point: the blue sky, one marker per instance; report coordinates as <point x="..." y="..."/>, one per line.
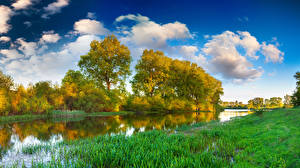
<point x="251" y="46"/>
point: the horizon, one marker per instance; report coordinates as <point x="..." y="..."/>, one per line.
<point x="252" y="48"/>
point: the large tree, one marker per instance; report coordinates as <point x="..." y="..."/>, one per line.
<point x="152" y="73"/>
<point x="108" y="62"/>
<point x="296" y="95"/>
<point x="175" y="80"/>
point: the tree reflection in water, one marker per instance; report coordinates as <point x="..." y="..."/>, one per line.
<point x="76" y="128"/>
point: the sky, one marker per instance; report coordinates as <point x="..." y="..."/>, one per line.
<point x="251" y="46"/>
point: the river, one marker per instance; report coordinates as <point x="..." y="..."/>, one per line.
<point x="15" y="136"/>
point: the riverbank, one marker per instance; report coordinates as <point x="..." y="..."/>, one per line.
<point x="270" y="139"/>
<point x="57" y="114"/>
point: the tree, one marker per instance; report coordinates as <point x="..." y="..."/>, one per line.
<point x="256" y="103"/>
<point x="276" y="102"/>
<point x="296" y="95"/>
<point x="108" y="62"/>
<point x="152" y="73"/>
<point x="177" y="83"/>
<point x="6" y="82"/>
<point x="287" y="101"/>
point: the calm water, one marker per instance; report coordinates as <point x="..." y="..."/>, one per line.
<point x="15" y="136"/>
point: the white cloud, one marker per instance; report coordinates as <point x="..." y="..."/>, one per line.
<point x="49" y="66"/>
<point x="9" y="54"/>
<point x="146" y="33"/>
<point x="28" y="48"/>
<point x="91" y="15"/>
<point x="138" y="18"/>
<point x="250" y="44"/>
<point x="87" y="26"/>
<point x="272" y="53"/>
<point x="49" y="37"/>
<point x="21" y="4"/>
<point x="227" y="60"/>
<point x="188" y="50"/>
<point x="54" y="8"/>
<point x="4" y="39"/>
<point x="5" y="14"/>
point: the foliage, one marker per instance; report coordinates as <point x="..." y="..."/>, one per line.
<point x="107" y="62"/>
<point x="256" y="103"/>
<point x="178" y="85"/>
<point x="160" y="84"/>
<point x="296" y="95"/>
<point x="6" y="82"/>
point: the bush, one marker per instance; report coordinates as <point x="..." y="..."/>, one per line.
<point x="137" y="104"/>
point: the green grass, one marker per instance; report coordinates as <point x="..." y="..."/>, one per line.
<point x="57" y="115"/>
<point x="22" y="118"/>
<point x="109" y="113"/>
<point x="35" y="148"/>
<point x="271" y="139"/>
<point x="60" y="113"/>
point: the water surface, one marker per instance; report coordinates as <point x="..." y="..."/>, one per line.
<point x="15" y="136"/>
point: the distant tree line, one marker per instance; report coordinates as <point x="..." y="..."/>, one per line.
<point x="159" y="84"/>
<point x="259" y="103"/>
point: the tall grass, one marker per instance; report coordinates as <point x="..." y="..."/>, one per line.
<point x="57" y="115"/>
<point x="271" y="140"/>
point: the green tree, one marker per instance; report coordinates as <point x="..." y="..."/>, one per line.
<point x="108" y="62"/>
<point x="152" y="73"/>
<point x="296" y="95"/>
<point x="276" y="102"/>
<point x="256" y="103"/>
<point x="174" y="84"/>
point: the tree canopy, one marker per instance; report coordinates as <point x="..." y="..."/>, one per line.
<point x="296" y="95"/>
<point x="6" y="82"/>
<point x="160" y="84"/>
<point x="107" y="62"/>
<point x="172" y="80"/>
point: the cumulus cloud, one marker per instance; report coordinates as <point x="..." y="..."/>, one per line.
<point x="51" y="65"/>
<point x="146" y="33"/>
<point x="54" y="8"/>
<point x="190" y="52"/>
<point x="87" y="26"/>
<point x="227" y="60"/>
<point x="27" y="48"/>
<point x="272" y="53"/>
<point x="9" y="54"/>
<point x="49" y="37"/>
<point x="5" y="15"/>
<point x="250" y="44"/>
<point x="21" y="4"/>
<point x="4" y="39"/>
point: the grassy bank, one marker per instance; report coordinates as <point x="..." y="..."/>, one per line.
<point x="56" y="114"/>
<point x="270" y="139"/>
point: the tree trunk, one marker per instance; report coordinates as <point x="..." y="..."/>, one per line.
<point x="108" y="85"/>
